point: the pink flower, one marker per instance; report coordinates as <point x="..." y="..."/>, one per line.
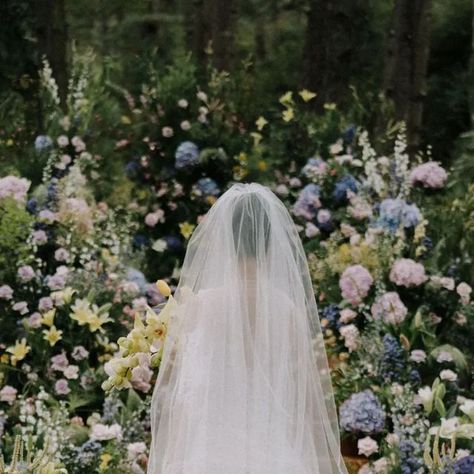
<point x="141" y="374"/>
<point x="14" y="187"/>
<point x="61" y="255"/>
<point x="346" y="315"/>
<point x="61" y="387"/>
<point x="153" y="218"/>
<point x="59" y="362"/>
<point x="8" y="394"/>
<point x="350" y="334"/>
<point x="367" y="446"/>
<point x="71" y="372"/>
<point x="6" y="292"/>
<point x="26" y="273"/>
<point x="390" y="308"/>
<point x="40" y="237"/>
<point x="355" y="283"/>
<point x="135" y="449"/>
<point x="464" y="291"/>
<point x="79" y="353"/>
<point x="167" y="132"/>
<point x="406" y="272"/>
<point x="45" y="303"/>
<point x="429" y="175"/>
<point x="34" y="321"/>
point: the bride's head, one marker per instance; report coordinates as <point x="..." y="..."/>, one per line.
<point x="250" y="226"/>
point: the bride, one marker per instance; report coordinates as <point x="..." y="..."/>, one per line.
<point x="244" y="385"/>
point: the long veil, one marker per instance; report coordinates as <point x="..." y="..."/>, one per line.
<point x="241" y="388"/>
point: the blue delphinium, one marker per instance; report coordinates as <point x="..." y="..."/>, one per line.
<point x="393" y="359"/>
<point x="32" y="206"/>
<point x="408" y="461"/>
<point x="308" y="203"/>
<point x="464" y="465"/>
<point x="362" y="412"/>
<point x="208" y="187"/>
<point x="187" y="155"/>
<point x="344" y="184"/>
<point x="43" y="142"/>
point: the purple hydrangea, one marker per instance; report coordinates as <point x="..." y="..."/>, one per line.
<point x="362" y="412"/>
<point x="343" y="185"/>
<point x="408" y="461"/>
<point x="315" y="168"/>
<point x="187" y="155"/>
<point x="308" y="203"/>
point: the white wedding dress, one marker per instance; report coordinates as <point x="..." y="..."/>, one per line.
<point x="240" y="389"/>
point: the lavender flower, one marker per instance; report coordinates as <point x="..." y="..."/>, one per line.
<point x="464" y="465"/>
<point x="308" y="202"/>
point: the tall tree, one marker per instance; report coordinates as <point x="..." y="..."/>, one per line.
<point x="406" y="63"/>
<point x="333" y="41"/>
<point x="210" y="28"/>
<point x="52" y="38"/>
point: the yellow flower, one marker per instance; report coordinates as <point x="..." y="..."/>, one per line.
<point x="287" y="98"/>
<point x="307" y="95"/>
<point x="104" y="461"/>
<point x="48" y="317"/>
<point x="125" y="120"/>
<point x="97" y="321"/>
<point x="10" y="142"/>
<point x="330" y="106"/>
<point x="18" y="351"/>
<point x="163" y="288"/>
<point x="81" y="312"/>
<point x="260" y="123"/>
<point x="257" y="138"/>
<point x="288" y="114"/>
<point x="262" y="166"/>
<point x="4" y="358"/>
<point x="52" y="335"/>
<point x="186" y="229"/>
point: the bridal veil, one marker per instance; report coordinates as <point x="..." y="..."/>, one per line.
<point x="244" y="385"/>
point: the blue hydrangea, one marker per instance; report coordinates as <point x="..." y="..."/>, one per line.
<point x="187" y="155"/>
<point x="393" y="359"/>
<point x="140" y="240"/>
<point x="362" y="412"/>
<point x="349" y="134"/>
<point x="137" y="277"/>
<point x="314" y="167"/>
<point x="331" y="313"/>
<point x="43" y="142"/>
<point x="464" y="465"/>
<point x="208" y="187"/>
<point x="344" y="184"/>
<point x="32" y="206"/>
<point x="307" y="203"/>
<point x="396" y="212"/>
<point x="173" y="243"/>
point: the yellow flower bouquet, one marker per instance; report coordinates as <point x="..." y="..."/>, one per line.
<point x="143" y="346"/>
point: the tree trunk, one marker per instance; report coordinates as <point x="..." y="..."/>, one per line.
<point x="53" y="41"/>
<point x="330" y="47"/>
<point x="407" y="62"/>
<point x="210" y="28"/>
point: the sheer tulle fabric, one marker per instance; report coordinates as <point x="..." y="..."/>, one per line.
<point x="241" y="389"/>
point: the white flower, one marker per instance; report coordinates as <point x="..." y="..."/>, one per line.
<point x="448" y="427"/>
<point x="183" y="103"/>
<point x="159" y="245"/>
<point x="418" y="356"/>
<point x="448" y="375"/>
<point x="468" y="408"/>
<point x="135" y="449"/>
<point x="464" y="291"/>
<point x="367" y="446"/>
<point x="392" y="439"/>
<point x="167" y="132"/>
<point x="103" y="432"/>
<point x="350" y="334"/>
<point x="71" y="372"/>
<point x="185" y="125"/>
<point x="425" y="395"/>
<point x="461" y="453"/>
<point x="63" y="141"/>
<point x="202" y="96"/>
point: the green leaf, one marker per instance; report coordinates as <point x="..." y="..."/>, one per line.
<point x="133" y="400"/>
<point x="458" y="357"/>
<point x="440" y="408"/>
